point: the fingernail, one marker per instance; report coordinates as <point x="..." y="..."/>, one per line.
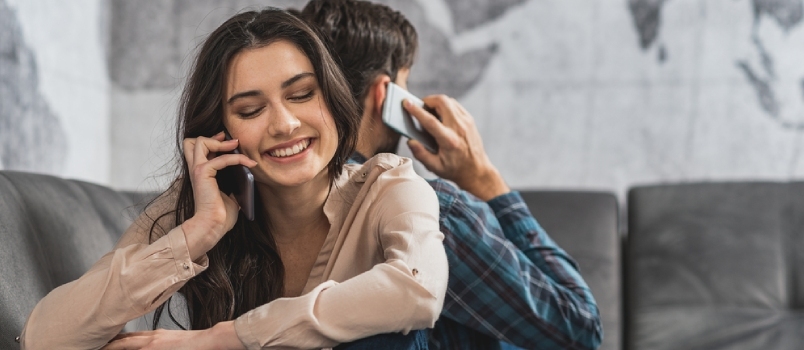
<point x="406" y="103"/>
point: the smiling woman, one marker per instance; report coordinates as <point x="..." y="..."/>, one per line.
<point x="337" y="252"/>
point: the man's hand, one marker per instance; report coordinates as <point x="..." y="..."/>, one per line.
<point x="461" y="157"/>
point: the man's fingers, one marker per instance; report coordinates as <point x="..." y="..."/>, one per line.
<point x="443" y="107"/>
<point x="428" y="121"/>
<point x="431" y="161"/>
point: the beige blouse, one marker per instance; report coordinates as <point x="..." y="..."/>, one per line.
<point x="382" y="269"/>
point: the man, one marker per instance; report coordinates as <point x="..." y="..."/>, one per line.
<point x="508" y="280"/>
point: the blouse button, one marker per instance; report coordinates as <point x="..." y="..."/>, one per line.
<point x="415" y="272"/>
<point x="17" y="339"/>
<point x="185" y="266"/>
<point x="363" y="175"/>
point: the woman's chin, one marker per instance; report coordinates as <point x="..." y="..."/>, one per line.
<point x="289" y="179"/>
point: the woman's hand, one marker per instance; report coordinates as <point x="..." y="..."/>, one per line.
<point x="221" y="336"/>
<point x="215" y="213"/>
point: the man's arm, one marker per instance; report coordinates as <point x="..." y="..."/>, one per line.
<point x="508" y="279"/>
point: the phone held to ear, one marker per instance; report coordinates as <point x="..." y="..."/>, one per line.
<point x="398" y="119"/>
<point x="239" y="180"/>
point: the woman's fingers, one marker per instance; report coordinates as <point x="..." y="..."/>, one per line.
<point x="197" y="150"/>
<point x="129" y="342"/>
<point x="204" y="146"/>
<point x="212" y="166"/>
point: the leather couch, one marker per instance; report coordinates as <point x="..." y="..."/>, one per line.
<point x="51" y="231"/>
<point x="715" y="266"/>
<point x="707" y="266"/>
<point x="54" y="229"/>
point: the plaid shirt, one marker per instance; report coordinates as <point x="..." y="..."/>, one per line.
<point x="508" y="281"/>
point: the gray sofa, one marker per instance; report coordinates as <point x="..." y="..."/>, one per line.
<point x="705" y="266"/>
<point x="51" y="231"/>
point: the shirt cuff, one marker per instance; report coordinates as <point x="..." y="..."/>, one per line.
<point x="507" y="203"/>
<point x="185" y="267"/>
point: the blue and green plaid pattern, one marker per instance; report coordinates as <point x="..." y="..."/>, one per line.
<point x="508" y="281"/>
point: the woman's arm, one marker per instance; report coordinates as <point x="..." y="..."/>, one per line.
<point x="405" y="292"/>
<point x="136" y="277"/>
<point x="124" y="284"/>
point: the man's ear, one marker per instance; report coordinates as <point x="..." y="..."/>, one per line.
<point x="378" y="92"/>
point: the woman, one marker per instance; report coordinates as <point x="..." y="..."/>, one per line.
<point x="336" y="253"/>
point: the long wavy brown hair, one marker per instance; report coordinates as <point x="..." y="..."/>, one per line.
<point x="245" y="269"/>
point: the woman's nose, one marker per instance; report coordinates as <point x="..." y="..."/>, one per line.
<point x="283" y="122"/>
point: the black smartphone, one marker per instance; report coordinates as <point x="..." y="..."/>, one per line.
<point x="398" y="119"/>
<point x="239" y="180"/>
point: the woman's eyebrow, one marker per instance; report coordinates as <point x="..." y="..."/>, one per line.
<point x="249" y="93"/>
<point x="296" y="78"/>
<point x="285" y="84"/>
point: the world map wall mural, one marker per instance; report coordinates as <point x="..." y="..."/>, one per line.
<point x="566" y="93"/>
<point x="569" y="94"/>
<point x="31" y="135"/>
<point x="786" y="14"/>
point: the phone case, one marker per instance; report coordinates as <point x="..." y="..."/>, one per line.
<point x="398" y="119"/>
<point x="239" y="180"/>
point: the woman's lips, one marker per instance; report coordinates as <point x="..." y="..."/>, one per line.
<point x="290" y="150"/>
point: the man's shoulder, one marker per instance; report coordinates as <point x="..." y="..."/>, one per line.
<point x="452" y="198"/>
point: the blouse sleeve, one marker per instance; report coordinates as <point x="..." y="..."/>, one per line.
<point x="124" y="284"/>
<point x="404" y="292"/>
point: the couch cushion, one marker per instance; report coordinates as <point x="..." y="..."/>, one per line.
<point x="715" y="266"/>
<point x="585" y="224"/>
<point x="52" y="230"/>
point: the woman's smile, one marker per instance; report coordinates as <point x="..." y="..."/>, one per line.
<point x="289" y="151"/>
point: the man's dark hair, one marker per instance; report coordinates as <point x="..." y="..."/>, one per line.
<point x="366" y="39"/>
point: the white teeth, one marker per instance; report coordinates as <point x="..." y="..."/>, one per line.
<point x="295" y="149"/>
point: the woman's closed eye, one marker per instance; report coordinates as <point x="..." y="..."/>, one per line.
<point x="302" y="97"/>
<point x="248" y="113"/>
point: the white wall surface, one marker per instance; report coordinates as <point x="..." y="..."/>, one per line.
<point x="564" y="92"/>
<point x="67" y="41"/>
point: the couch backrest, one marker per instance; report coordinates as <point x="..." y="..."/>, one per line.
<point x="51" y="231"/>
<point x="716" y="266"/>
<point x="585" y="224"/>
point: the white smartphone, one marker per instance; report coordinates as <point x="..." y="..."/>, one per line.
<point x="398" y="119"/>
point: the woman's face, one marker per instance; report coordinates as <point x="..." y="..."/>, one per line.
<point x="273" y="105"/>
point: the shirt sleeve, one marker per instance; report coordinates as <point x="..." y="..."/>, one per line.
<point x="508" y="279"/>
<point x="404" y="292"/>
<point x="124" y="284"/>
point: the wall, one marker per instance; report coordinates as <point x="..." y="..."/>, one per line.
<point x="567" y="94"/>
<point x="54" y="101"/>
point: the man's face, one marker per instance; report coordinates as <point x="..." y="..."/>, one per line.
<point x="391" y="139"/>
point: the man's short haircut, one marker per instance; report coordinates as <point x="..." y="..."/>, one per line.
<point x="366" y="39"/>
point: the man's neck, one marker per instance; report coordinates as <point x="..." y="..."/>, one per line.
<point x="365" y="148"/>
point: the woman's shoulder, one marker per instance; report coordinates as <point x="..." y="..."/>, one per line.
<point x="381" y="165"/>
